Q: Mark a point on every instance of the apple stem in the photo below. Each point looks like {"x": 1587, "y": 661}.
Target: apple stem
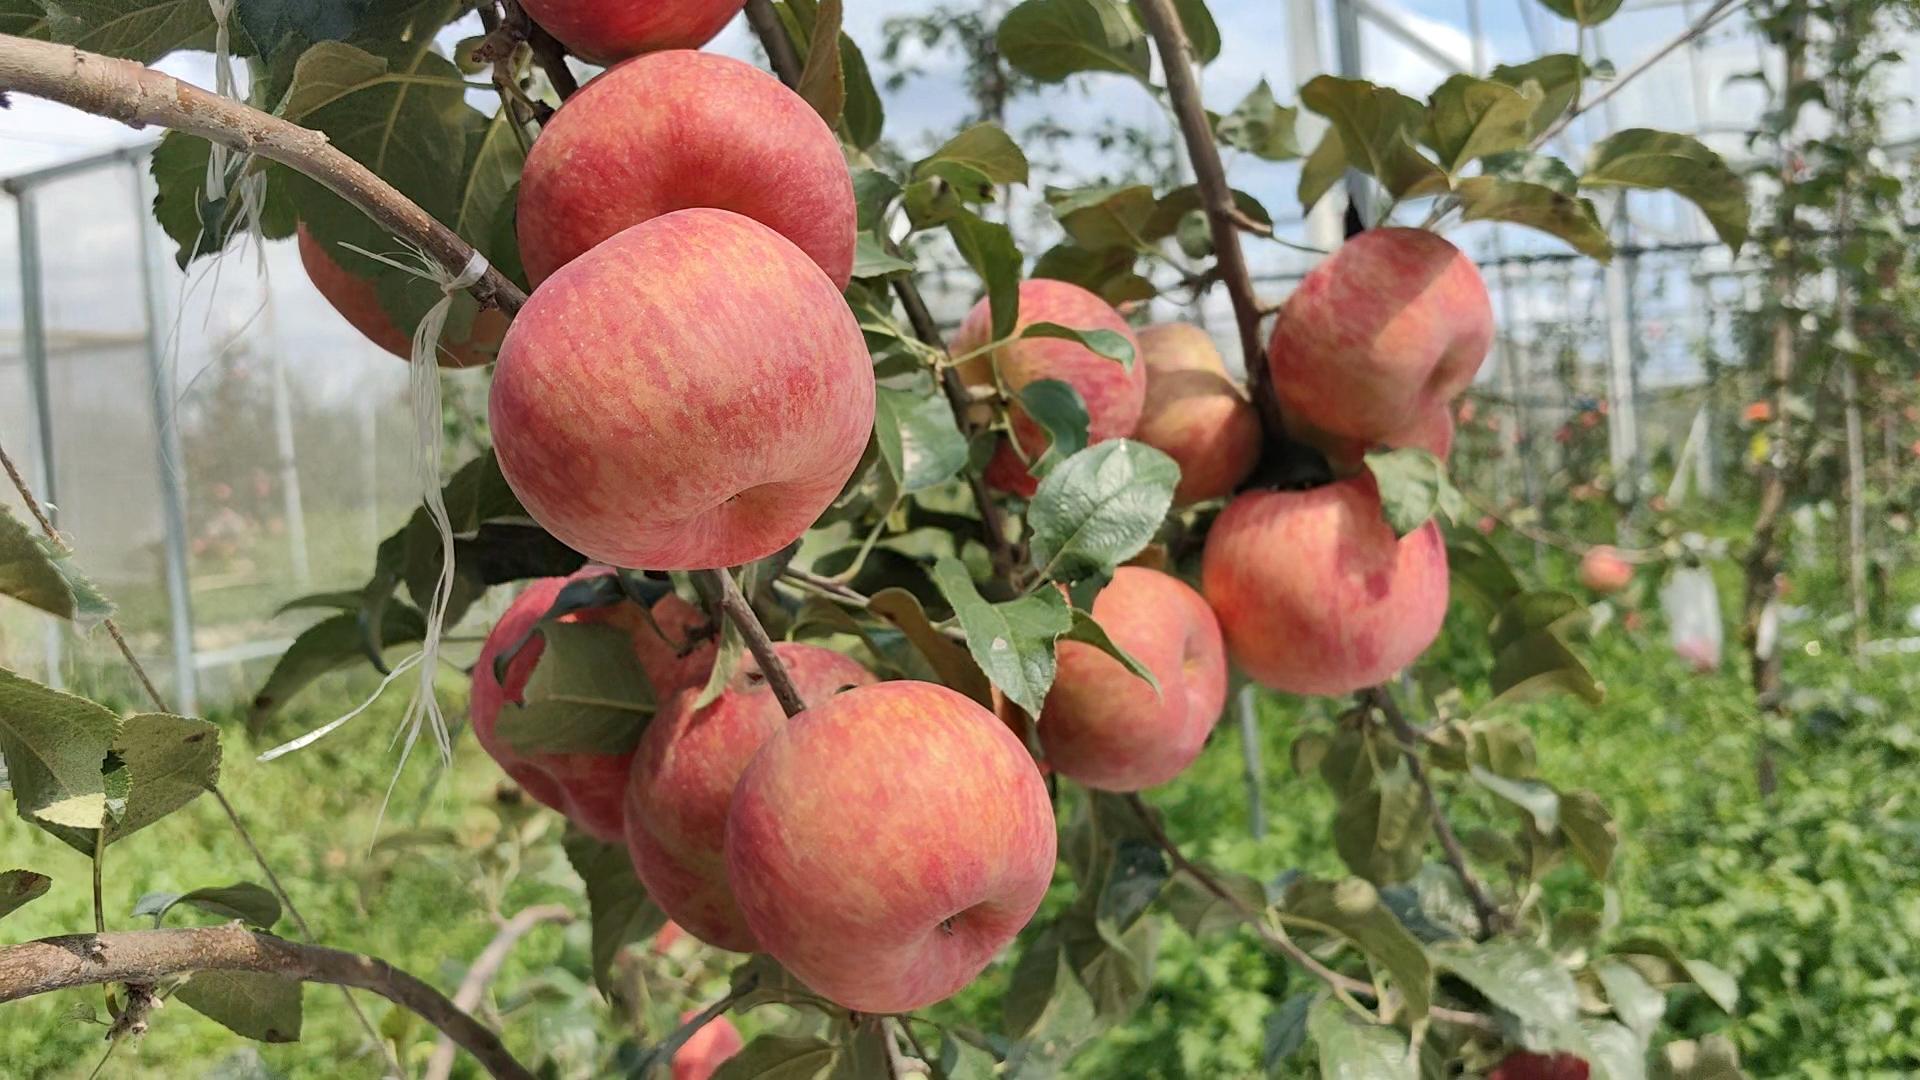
{"x": 1489, "y": 913}
{"x": 724, "y": 593}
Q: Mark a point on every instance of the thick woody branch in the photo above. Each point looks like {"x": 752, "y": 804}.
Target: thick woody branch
{"x": 148, "y": 956}
{"x": 724, "y": 593}
{"x": 1223, "y": 217}
{"x": 140, "y": 96}
{"x": 485, "y": 967}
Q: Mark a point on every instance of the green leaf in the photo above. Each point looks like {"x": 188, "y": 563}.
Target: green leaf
{"x": 23, "y": 18}
{"x": 974, "y": 161}
{"x": 1584, "y": 12}
{"x": 1352, "y": 909}
{"x": 1087, "y": 631}
{"x": 1052, "y": 39}
{"x": 1719, "y": 986}
{"x": 1558, "y": 76}
{"x": 1099, "y": 508}
{"x": 1261, "y": 126}
{"x": 21, "y": 887}
{"x": 1614, "y": 1051}
{"x": 1469, "y": 118}
{"x": 1060, "y": 411}
{"x": 1534, "y": 797}
{"x": 1202, "y": 912}
{"x": 1536, "y": 665}
{"x": 1031, "y": 987}
{"x": 55, "y": 744}
{"x": 1473, "y": 562}
{"x": 1352, "y": 1049}
{"x": 1286, "y": 1033}
{"x": 865, "y": 115}
{"x": 873, "y": 192}
{"x": 1548, "y": 172}
{"x": 780, "y": 1057}
{"x": 988, "y": 248}
{"x": 1519, "y": 977}
{"x": 170, "y": 760}
{"x": 328, "y": 645}
{"x": 1114, "y": 966}
{"x": 823, "y": 83}
{"x": 619, "y": 910}
{"x": 35, "y": 572}
{"x": 1635, "y": 1001}
{"x": 1376, "y": 126}
{"x": 1108, "y": 343}
{"x": 918, "y": 439}
{"x": 242, "y": 900}
{"x": 587, "y": 695}
{"x": 1322, "y": 169}
{"x": 1108, "y": 273}
{"x": 1711, "y": 1058}
{"x": 1668, "y": 161}
{"x": 1590, "y": 831}
{"x": 1098, "y": 218}
{"x": 728, "y": 655}
{"x": 1013, "y": 642}
{"x": 1527, "y": 612}
{"x": 1573, "y": 219}
{"x": 951, "y": 662}
{"x": 138, "y": 30}
{"x": 1177, "y": 206}
{"x": 1201, "y": 31}
{"x": 251, "y": 1004}
{"x": 486, "y": 191}
{"x": 1413, "y": 488}
{"x": 871, "y": 259}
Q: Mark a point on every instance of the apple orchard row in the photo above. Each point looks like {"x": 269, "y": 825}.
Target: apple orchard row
{"x": 687, "y": 388}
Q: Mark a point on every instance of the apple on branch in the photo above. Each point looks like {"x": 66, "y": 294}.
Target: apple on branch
{"x": 1196, "y": 413}
{"x": 606, "y": 31}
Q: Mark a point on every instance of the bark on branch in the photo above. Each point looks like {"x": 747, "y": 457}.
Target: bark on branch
{"x": 148, "y": 956}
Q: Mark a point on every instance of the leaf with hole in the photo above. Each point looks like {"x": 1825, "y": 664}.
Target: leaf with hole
{"x": 54, "y": 745}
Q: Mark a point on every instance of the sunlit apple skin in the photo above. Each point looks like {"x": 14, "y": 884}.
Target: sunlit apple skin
{"x": 1196, "y": 413}
{"x": 885, "y": 845}
{"x": 587, "y": 788}
{"x": 1106, "y": 727}
{"x": 358, "y": 302}
{"x": 1394, "y": 322}
{"x": 1314, "y": 593}
{"x": 676, "y": 130}
{"x": 1113, "y": 394}
{"x": 1604, "y": 571}
{"x": 684, "y": 773}
{"x": 702, "y": 1054}
{"x": 693, "y": 393}
{"x": 1432, "y": 431}
{"x": 605, "y": 31}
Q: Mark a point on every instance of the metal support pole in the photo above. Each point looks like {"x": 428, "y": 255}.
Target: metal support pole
{"x": 173, "y": 499}
{"x": 1623, "y": 433}
{"x": 1303, "y": 56}
{"x": 292, "y": 508}
{"x": 33, "y": 340}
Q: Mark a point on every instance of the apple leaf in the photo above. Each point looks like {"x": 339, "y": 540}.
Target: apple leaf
{"x": 1322, "y": 169}
{"x": 780, "y": 1057}
{"x": 1110, "y": 344}
{"x": 1099, "y": 508}
{"x": 170, "y": 761}
{"x": 1201, "y": 912}
{"x": 198, "y": 225}
{"x": 35, "y": 572}
{"x": 1115, "y": 966}
{"x": 1584, "y": 12}
{"x": 873, "y": 192}
{"x": 1518, "y": 976}
{"x": 1529, "y": 611}
{"x": 1558, "y": 75}
{"x": 1711, "y": 1058}
{"x": 1202, "y": 33}
{"x": 21, "y": 887}
{"x": 138, "y": 30}
{"x": 1590, "y": 831}
{"x": 328, "y": 645}
{"x": 1102, "y": 217}
{"x": 988, "y": 248}
{"x": 1262, "y": 126}
{"x": 1376, "y": 126}
{"x": 242, "y": 900}
{"x": 55, "y": 744}
{"x": 1548, "y": 172}
{"x": 1052, "y": 39}
{"x": 1058, "y": 408}
{"x": 918, "y": 440}
{"x": 1351, "y": 908}
{"x": 871, "y": 259}
{"x": 1087, "y": 631}
{"x": 949, "y": 660}
{"x": 1668, "y": 161}
{"x": 1012, "y": 641}
{"x": 1351, "y": 1049}
{"x": 1573, "y": 219}
{"x": 865, "y": 114}
{"x": 618, "y": 907}
{"x": 1535, "y": 797}
{"x": 251, "y": 1004}
{"x": 1535, "y": 665}
{"x": 1469, "y": 118}
{"x": 587, "y": 695}
{"x": 823, "y": 82}
{"x": 974, "y": 161}
{"x": 23, "y": 18}
{"x": 1108, "y": 273}
{"x": 1414, "y": 488}
{"x": 1175, "y": 206}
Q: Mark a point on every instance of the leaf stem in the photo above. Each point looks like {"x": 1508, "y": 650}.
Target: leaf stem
{"x": 724, "y": 594}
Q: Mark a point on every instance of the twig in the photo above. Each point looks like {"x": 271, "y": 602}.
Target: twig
{"x": 1700, "y": 26}
{"x": 838, "y": 590}
{"x": 1484, "y": 907}
{"x": 1223, "y": 217}
{"x": 919, "y": 1048}
{"x": 148, "y": 956}
{"x": 138, "y": 95}
{"x": 724, "y": 593}
{"x": 547, "y": 52}
{"x": 485, "y": 967}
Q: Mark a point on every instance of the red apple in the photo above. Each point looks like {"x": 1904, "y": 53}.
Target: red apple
{"x": 1113, "y": 394}
{"x": 1314, "y": 592}
{"x": 885, "y": 845}
{"x": 676, "y": 130}
{"x": 1394, "y": 323}
{"x": 684, "y": 772}
{"x": 585, "y": 787}
{"x": 1106, "y": 727}
{"x": 700, "y": 1056}
{"x": 1526, "y": 1065}
{"x": 1195, "y": 413}
{"x": 667, "y": 935}
{"x": 690, "y": 394}
{"x": 1604, "y": 571}
{"x": 1432, "y": 431}
{"x": 358, "y": 302}
{"x": 604, "y": 31}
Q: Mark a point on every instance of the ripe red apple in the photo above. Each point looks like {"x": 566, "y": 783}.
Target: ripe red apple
{"x": 684, "y": 772}
{"x": 1392, "y": 324}
{"x": 1527, "y": 1065}
{"x": 886, "y": 844}
{"x": 585, "y": 787}
{"x": 1195, "y": 413}
{"x": 1314, "y": 592}
{"x": 358, "y": 302}
{"x": 1106, "y": 727}
{"x": 677, "y": 130}
{"x": 1432, "y": 431}
{"x": 606, "y": 31}
{"x": 690, "y": 394}
{"x": 1113, "y": 394}
{"x": 1604, "y": 571}
{"x": 700, "y": 1056}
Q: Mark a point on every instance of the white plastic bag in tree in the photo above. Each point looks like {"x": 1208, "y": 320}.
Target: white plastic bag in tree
{"x": 1692, "y": 606}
